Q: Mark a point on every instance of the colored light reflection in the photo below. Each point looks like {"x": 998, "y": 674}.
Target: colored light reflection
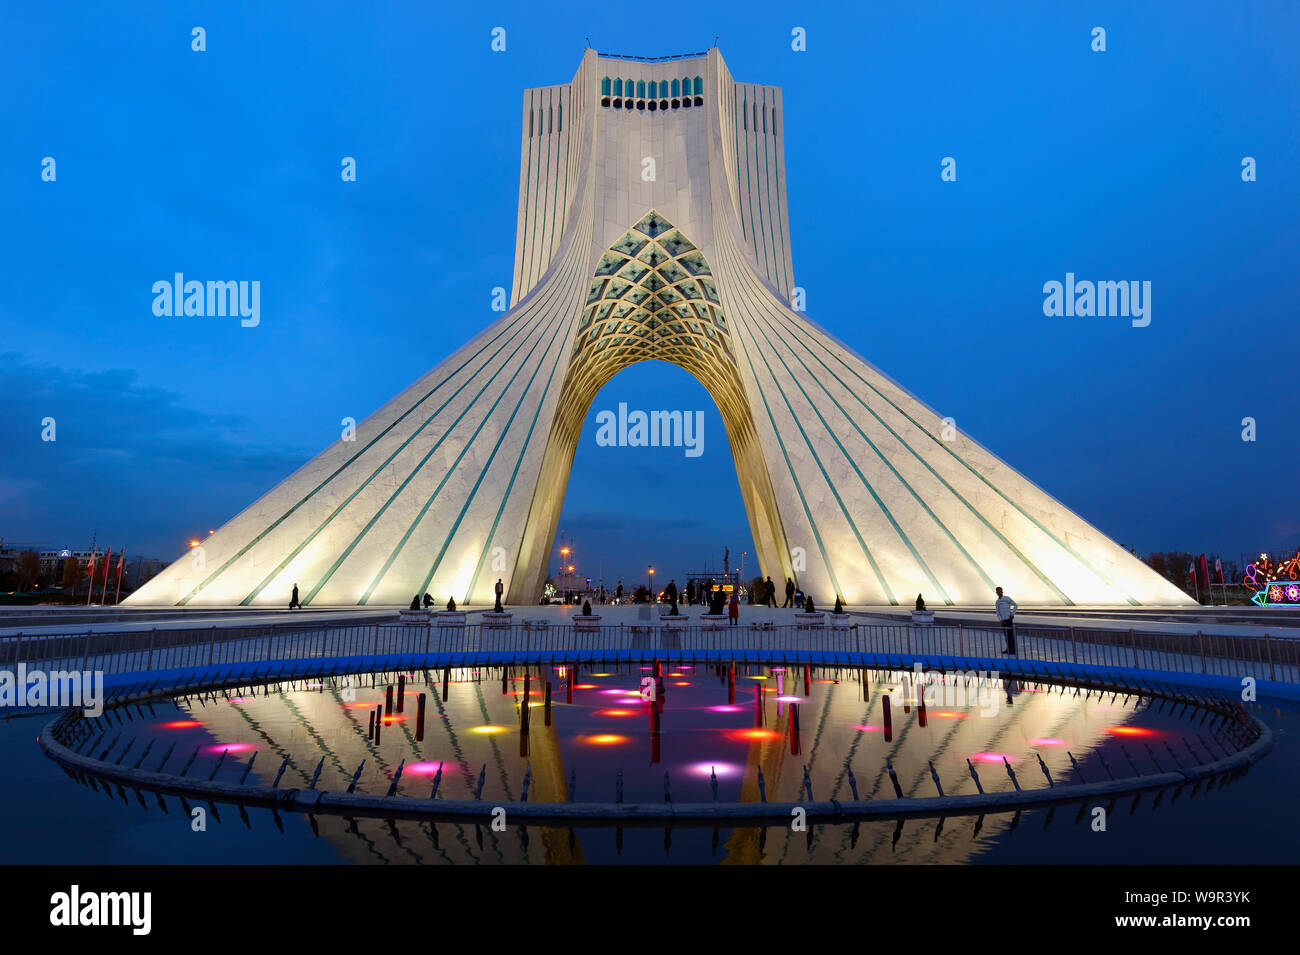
{"x": 488, "y": 730}
{"x": 993, "y": 758}
{"x": 1130, "y": 731}
{"x": 1047, "y": 741}
{"x": 602, "y": 674}
{"x": 755, "y": 678}
{"x": 584, "y": 686}
{"x": 422, "y": 769}
{"x": 867, "y": 728}
{"x": 617, "y": 692}
{"x": 681, "y": 683}
{"x": 394, "y": 718}
{"x": 677, "y": 674}
{"x": 722, "y": 770}
{"x": 948, "y": 715}
{"x": 631, "y": 699}
{"x": 754, "y": 735}
{"x": 230, "y": 748}
{"x": 727, "y": 709}
{"x": 603, "y": 739}
{"x": 789, "y": 699}
{"x": 181, "y": 725}
{"x": 360, "y": 706}
{"x": 616, "y": 713}
{"x": 240, "y": 699}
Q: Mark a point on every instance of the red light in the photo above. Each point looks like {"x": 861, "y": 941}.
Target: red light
{"x": 1130, "y": 731}
{"x": 181, "y": 724}
{"x": 753, "y": 735}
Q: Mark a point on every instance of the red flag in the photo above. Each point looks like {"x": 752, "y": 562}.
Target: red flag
{"x": 1218, "y": 568}
{"x": 1205, "y": 571}
{"x": 120, "y": 558}
{"x": 108, "y": 559}
{"x": 91, "y": 570}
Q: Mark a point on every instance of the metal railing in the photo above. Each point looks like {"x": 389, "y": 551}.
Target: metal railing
{"x": 1263, "y": 658}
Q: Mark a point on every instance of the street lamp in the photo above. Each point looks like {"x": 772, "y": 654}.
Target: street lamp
{"x": 651, "y": 586}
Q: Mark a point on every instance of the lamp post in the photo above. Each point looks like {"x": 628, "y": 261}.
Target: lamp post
{"x": 651, "y": 586}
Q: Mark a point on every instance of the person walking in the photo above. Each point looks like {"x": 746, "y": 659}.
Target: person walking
{"x": 293, "y": 601}
{"x": 1006, "y": 609}
{"x": 733, "y": 609}
{"x": 769, "y": 593}
{"x": 789, "y": 593}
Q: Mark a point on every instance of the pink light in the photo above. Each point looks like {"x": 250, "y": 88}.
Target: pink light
{"x": 422, "y": 769}
{"x": 727, "y": 709}
{"x": 723, "y": 770}
{"x": 867, "y": 728}
{"x": 181, "y": 724}
{"x": 616, "y": 692}
{"x": 240, "y": 699}
{"x": 994, "y": 758}
{"x": 789, "y": 699}
{"x": 778, "y": 669}
{"x": 231, "y": 748}
{"x": 1046, "y": 741}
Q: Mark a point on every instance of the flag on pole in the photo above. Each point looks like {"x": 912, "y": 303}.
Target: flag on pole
{"x": 1205, "y": 571}
{"x": 120, "y": 558}
{"x": 91, "y": 569}
{"x": 1218, "y": 568}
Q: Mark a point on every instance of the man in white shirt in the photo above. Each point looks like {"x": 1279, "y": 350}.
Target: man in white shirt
{"x": 1006, "y": 609}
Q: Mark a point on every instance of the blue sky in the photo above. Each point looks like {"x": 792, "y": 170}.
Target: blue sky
{"x": 1123, "y": 164}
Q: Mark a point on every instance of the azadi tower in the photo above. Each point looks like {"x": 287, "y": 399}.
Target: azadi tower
{"x": 653, "y": 224}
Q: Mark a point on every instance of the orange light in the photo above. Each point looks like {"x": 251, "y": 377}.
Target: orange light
{"x": 754, "y": 735}
{"x": 606, "y": 739}
{"x": 1130, "y": 731}
{"x": 682, "y": 683}
{"x": 194, "y": 543}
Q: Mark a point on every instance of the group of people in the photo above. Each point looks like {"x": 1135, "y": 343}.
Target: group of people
{"x": 1004, "y": 607}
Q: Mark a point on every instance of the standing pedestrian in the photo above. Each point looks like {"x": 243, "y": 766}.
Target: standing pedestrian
{"x": 293, "y": 601}
{"x": 733, "y": 609}
{"x": 1006, "y": 609}
{"x": 789, "y": 593}
{"x": 769, "y": 593}
{"x": 500, "y": 590}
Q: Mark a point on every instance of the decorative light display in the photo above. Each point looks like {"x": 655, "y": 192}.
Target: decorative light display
{"x": 1274, "y": 584}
